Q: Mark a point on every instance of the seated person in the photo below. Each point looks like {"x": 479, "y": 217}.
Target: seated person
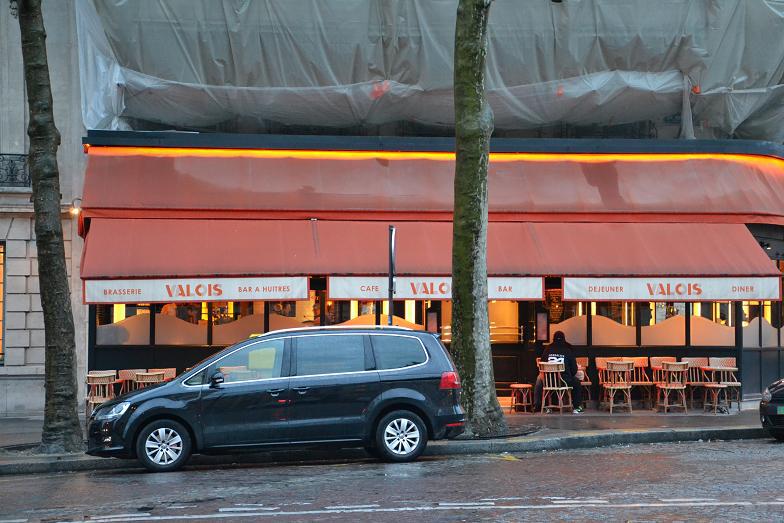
{"x": 560, "y": 351}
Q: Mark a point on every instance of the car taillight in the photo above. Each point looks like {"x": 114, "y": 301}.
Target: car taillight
{"x": 449, "y": 380}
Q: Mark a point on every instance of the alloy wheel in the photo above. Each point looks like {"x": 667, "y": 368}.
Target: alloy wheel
{"x": 163, "y": 446}
{"x": 401, "y": 436}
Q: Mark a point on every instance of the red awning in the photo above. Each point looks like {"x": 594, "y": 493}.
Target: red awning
{"x": 157, "y": 248}
{"x": 134, "y": 182}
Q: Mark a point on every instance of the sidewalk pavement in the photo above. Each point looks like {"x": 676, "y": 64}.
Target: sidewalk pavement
{"x": 529, "y": 432}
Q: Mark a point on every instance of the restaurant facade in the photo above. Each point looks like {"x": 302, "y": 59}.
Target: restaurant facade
{"x": 630, "y": 247}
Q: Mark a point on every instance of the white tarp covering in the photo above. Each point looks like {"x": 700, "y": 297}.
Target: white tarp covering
{"x": 241, "y": 64}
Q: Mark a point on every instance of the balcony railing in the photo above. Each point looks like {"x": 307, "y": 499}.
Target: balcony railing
{"x": 14, "y": 171}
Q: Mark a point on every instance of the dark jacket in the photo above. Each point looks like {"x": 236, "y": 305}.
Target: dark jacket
{"x": 561, "y": 351}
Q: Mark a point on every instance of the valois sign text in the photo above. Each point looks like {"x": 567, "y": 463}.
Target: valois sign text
{"x": 195, "y": 289}
{"x": 429, "y": 288}
{"x": 672, "y": 289}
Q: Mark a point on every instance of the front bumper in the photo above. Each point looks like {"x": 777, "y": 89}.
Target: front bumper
{"x": 104, "y": 439}
{"x": 772, "y": 415}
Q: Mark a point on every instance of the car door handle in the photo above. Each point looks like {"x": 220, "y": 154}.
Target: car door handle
{"x": 301, "y": 390}
{"x": 275, "y": 392}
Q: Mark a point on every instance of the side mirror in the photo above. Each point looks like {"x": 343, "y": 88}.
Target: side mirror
{"x": 216, "y": 379}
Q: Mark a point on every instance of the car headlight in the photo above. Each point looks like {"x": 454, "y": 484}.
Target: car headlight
{"x": 114, "y": 412}
{"x": 766, "y": 396}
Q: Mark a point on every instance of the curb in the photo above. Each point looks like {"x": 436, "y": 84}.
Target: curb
{"x": 79, "y": 462}
{"x": 593, "y": 440}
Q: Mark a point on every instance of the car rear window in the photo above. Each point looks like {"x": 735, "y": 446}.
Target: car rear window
{"x": 397, "y": 352}
{"x": 330, "y": 354}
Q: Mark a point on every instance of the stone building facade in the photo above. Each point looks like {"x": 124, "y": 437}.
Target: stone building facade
{"x": 22, "y": 349}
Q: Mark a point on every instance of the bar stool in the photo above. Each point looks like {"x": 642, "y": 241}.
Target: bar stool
{"x": 145, "y": 379}
{"x": 618, "y": 379}
{"x": 554, "y": 385}
{"x": 673, "y": 380}
{"x": 522, "y": 396}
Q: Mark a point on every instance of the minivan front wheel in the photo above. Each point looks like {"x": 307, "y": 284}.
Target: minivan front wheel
{"x": 163, "y": 446}
{"x": 401, "y": 436}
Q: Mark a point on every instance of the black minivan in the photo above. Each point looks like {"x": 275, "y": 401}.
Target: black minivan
{"x": 387, "y": 389}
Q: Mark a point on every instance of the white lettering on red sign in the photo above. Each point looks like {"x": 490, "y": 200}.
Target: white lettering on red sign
{"x": 672, "y": 289}
{"x": 195, "y": 289}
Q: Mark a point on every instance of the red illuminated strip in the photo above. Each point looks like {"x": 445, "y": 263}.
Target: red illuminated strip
{"x": 174, "y": 152}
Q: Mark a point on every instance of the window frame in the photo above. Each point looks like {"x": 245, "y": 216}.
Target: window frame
{"x": 395, "y": 369}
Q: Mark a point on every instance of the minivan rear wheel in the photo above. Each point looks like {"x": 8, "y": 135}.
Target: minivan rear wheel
{"x": 163, "y": 446}
{"x": 401, "y": 436}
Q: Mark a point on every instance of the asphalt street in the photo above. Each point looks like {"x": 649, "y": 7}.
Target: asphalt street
{"x": 702, "y": 481}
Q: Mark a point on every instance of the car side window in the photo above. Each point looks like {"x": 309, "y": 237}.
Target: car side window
{"x": 254, "y": 362}
{"x": 196, "y": 379}
{"x": 397, "y": 352}
{"x": 330, "y": 354}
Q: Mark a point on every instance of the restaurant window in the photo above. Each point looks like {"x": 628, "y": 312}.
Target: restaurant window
{"x": 711, "y": 324}
{"x": 337, "y": 312}
{"x": 504, "y": 322}
{"x": 446, "y": 320}
{"x": 361, "y": 312}
{"x": 293, "y": 314}
{"x": 569, "y": 317}
{"x": 757, "y": 321}
{"x": 613, "y": 323}
{"x": 663, "y": 323}
{"x": 406, "y": 313}
{"x": 181, "y": 323}
{"x": 123, "y": 324}
{"x": 777, "y": 317}
{"x": 235, "y": 321}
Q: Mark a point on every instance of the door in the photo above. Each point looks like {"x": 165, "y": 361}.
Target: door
{"x": 251, "y": 406}
{"x": 332, "y": 384}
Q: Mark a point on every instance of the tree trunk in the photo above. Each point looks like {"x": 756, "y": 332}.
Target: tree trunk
{"x": 62, "y": 431}
{"x": 473, "y": 127}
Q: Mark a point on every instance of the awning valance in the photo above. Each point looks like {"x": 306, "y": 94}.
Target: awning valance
{"x": 149, "y": 182}
{"x": 126, "y": 249}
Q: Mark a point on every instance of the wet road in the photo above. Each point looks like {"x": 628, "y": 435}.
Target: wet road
{"x": 737, "y": 481}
